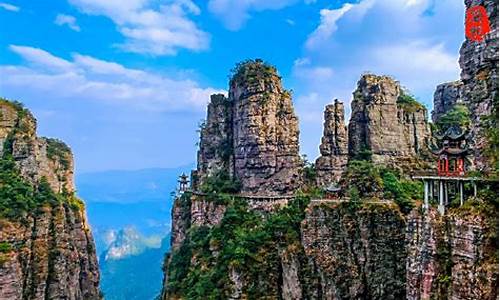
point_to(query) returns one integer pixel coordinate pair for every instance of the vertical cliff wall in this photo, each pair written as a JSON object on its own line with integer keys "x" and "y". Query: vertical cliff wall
{"x": 46, "y": 247}
{"x": 386, "y": 122}
{"x": 265, "y": 131}
{"x": 253, "y": 134}
{"x": 333, "y": 147}
{"x": 452, "y": 256}
{"x": 215, "y": 152}
{"x": 478, "y": 84}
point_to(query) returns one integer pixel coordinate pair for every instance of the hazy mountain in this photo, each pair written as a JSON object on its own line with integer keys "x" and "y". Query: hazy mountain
{"x": 129, "y": 212}
{"x": 129, "y": 242}
{"x": 128, "y": 278}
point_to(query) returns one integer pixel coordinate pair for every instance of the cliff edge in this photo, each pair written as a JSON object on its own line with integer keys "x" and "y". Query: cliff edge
{"x": 46, "y": 246}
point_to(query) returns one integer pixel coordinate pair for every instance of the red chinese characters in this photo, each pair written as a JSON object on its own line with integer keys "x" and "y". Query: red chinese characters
{"x": 477, "y": 24}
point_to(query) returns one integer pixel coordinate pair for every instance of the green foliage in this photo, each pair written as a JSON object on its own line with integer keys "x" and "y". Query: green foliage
{"x": 18, "y": 198}
{"x": 485, "y": 205}
{"x": 490, "y": 126}
{"x": 364, "y": 154}
{"x": 364, "y": 180}
{"x": 5, "y": 247}
{"x": 404, "y": 192}
{"x": 252, "y": 70}
{"x": 18, "y": 106}
{"x": 364, "y": 176}
{"x": 308, "y": 176}
{"x": 408, "y": 102}
{"x": 244, "y": 241}
{"x": 459, "y": 115}
{"x": 57, "y": 149}
{"x": 445, "y": 266}
{"x": 221, "y": 182}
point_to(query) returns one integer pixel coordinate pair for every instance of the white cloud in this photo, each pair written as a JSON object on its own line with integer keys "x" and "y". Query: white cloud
{"x": 70, "y": 21}
{"x": 41, "y": 58}
{"x": 234, "y": 13}
{"x": 328, "y": 24}
{"x": 416, "y": 63}
{"x": 314, "y": 74}
{"x": 156, "y": 30}
{"x": 9, "y": 7}
{"x": 92, "y": 79}
{"x": 417, "y": 56}
{"x": 393, "y": 37}
{"x": 302, "y": 61}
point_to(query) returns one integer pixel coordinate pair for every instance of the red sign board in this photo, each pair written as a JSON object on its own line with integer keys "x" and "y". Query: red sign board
{"x": 477, "y": 24}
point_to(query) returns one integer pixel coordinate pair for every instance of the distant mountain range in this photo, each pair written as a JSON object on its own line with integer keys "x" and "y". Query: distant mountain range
{"x": 129, "y": 212}
{"x": 129, "y": 186}
{"x": 129, "y": 279}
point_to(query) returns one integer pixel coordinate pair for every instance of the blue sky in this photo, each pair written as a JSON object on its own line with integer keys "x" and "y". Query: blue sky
{"x": 125, "y": 83}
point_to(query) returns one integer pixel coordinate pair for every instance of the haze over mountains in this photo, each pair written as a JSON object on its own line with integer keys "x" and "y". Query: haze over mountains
{"x": 129, "y": 212}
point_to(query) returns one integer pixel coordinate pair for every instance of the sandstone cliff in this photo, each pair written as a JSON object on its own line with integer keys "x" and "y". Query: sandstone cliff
{"x": 318, "y": 251}
{"x": 478, "y": 84}
{"x": 46, "y": 247}
{"x": 333, "y": 147}
{"x": 216, "y": 140}
{"x": 386, "y": 122}
{"x": 452, "y": 256}
{"x": 253, "y": 135}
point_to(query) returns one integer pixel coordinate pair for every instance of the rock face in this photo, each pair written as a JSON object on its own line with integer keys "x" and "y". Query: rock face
{"x": 381, "y": 123}
{"x": 253, "y": 135}
{"x": 35, "y": 157}
{"x": 478, "y": 85}
{"x": 265, "y": 132}
{"x": 54, "y": 257}
{"x": 333, "y": 147}
{"x": 449, "y": 258}
{"x": 445, "y": 97}
{"x": 339, "y": 254}
{"x": 351, "y": 252}
{"x": 216, "y": 140}
{"x": 47, "y": 253}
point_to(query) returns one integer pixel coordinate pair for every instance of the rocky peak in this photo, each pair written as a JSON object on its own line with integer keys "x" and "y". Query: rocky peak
{"x": 445, "y": 97}
{"x": 333, "y": 147}
{"x": 253, "y": 134}
{"x": 386, "y": 121}
{"x": 265, "y": 131}
{"x": 36, "y": 158}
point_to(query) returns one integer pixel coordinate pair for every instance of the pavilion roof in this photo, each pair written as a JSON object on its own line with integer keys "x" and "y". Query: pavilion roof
{"x": 452, "y": 151}
{"x": 452, "y": 133}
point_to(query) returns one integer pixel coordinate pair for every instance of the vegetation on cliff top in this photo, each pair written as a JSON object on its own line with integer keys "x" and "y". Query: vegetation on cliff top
{"x": 251, "y": 70}
{"x": 253, "y": 248}
{"x": 18, "y": 106}
{"x": 364, "y": 181}
{"x": 408, "y": 102}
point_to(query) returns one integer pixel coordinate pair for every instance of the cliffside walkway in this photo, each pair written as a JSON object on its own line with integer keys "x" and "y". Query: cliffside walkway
{"x": 440, "y": 187}
{"x": 251, "y": 197}
{"x": 325, "y": 200}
